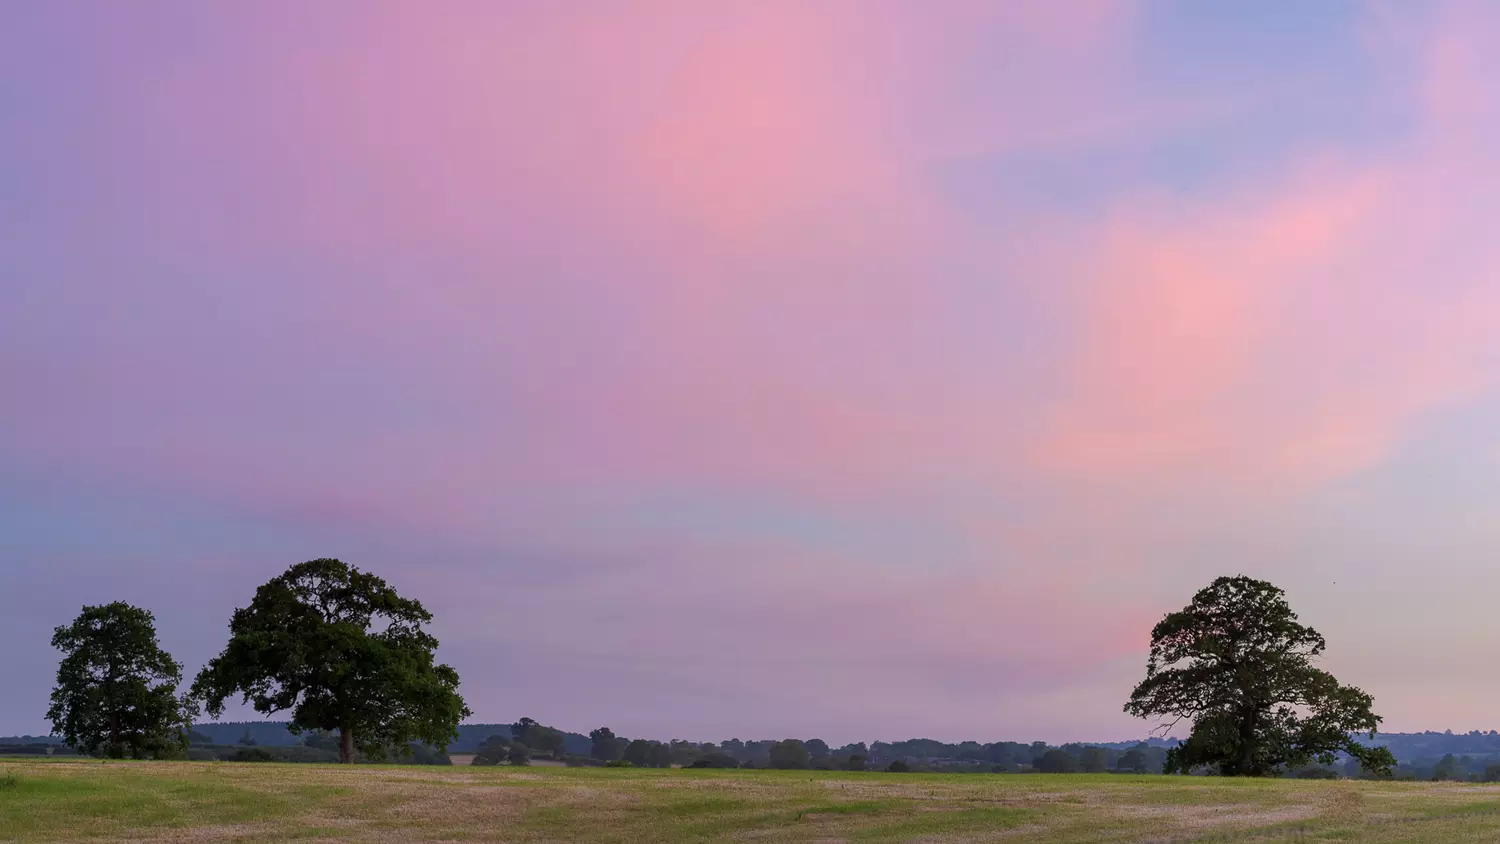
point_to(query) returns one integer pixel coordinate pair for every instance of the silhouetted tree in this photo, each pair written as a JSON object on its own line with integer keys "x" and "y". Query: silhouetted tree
{"x": 1057, "y": 761}
{"x": 817, "y": 749}
{"x": 788, "y": 754}
{"x": 1447, "y": 768}
{"x": 1093, "y": 760}
{"x": 606, "y": 746}
{"x": 116, "y": 692}
{"x": 341, "y": 650}
{"x": 1237, "y": 663}
{"x": 898, "y": 767}
{"x": 855, "y": 763}
{"x": 638, "y": 753}
{"x": 538, "y": 737}
{"x": 1132, "y": 760}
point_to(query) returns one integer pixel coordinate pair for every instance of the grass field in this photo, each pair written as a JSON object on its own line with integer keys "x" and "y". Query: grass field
{"x": 169, "y": 801}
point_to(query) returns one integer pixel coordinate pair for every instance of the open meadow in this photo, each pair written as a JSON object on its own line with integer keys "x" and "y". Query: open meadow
{"x": 182, "y": 801}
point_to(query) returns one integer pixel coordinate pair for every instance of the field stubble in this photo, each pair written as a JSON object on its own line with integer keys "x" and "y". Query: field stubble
{"x": 167, "y": 801}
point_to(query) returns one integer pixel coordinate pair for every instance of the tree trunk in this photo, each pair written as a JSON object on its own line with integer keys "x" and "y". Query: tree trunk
{"x": 346, "y": 745}
{"x": 1247, "y": 763}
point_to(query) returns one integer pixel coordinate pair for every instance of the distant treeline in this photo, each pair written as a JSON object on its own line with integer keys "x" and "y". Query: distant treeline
{"x": 1430, "y": 755}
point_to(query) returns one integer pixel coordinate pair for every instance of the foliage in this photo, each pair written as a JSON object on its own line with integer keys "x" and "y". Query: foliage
{"x": 1238, "y": 663}
{"x": 605, "y": 745}
{"x": 789, "y": 754}
{"x": 253, "y": 754}
{"x": 341, "y": 650}
{"x": 116, "y": 691}
{"x": 495, "y": 751}
{"x": 898, "y": 767}
{"x": 538, "y": 737}
{"x": 1057, "y": 761}
{"x": 1093, "y": 760}
{"x": 855, "y": 763}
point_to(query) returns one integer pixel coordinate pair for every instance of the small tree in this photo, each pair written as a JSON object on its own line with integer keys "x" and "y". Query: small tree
{"x": 495, "y": 750}
{"x": 855, "y": 763}
{"x": 116, "y": 691}
{"x": 1239, "y": 665}
{"x": 898, "y": 767}
{"x": 342, "y": 651}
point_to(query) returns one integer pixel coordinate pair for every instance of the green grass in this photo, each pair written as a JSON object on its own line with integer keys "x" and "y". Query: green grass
{"x": 47, "y": 801}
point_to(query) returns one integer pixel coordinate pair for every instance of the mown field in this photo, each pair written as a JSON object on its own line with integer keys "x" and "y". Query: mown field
{"x": 170, "y": 801}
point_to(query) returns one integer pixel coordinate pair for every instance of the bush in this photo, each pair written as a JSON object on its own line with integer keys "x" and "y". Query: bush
{"x": 253, "y": 754}
{"x": 619, "y": 763}
{"x": 9, "y": 781}
{"x": 898, "y": 767}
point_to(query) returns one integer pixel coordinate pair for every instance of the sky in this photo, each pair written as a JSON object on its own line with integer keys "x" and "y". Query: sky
{"x": 859, "y": 369}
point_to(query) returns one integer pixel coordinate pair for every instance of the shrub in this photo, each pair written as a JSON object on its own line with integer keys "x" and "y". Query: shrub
{"x": 898, "y": 767}
{"x": 619, "y": 763}
{"x": 9, "y": 781}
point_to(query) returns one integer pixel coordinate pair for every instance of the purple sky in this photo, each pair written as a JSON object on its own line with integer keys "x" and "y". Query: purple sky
{"x": 787, "y": 368}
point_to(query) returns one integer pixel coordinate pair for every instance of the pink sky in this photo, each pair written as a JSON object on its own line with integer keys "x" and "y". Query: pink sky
{"x": 788, "y": 368}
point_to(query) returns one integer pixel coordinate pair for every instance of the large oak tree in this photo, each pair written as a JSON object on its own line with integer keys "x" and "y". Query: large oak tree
{"x": 116, "y": 691}
{"x": 1238, "y": 664}
{"x": 342, "y": 651}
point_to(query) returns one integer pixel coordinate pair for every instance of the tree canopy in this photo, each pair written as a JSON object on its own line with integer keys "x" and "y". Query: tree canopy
{"x": 606, "y": 746}
{"x": 1238, "y": 664}
{"x": 788, "y": 754}
{"x": 116, "y": 691}
{"x": 342, "y": 651}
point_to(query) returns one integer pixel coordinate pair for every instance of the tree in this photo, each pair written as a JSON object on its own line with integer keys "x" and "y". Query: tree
{"x": 116, "y": 691}
{"x": 1446, "y": 768}
{"x": 855, "y": 763}
{"x": 638, "y": 753}
{"x": 248, "y": 740}
{"x": 898, "y": 767}
{"x": 1238, "y": 664}
{"x": 1093, "y": 760}
{"x": 495, "y": 750}
{"x": 816, "y": 749}
{"x": 538, "y": 737}
{"x": 1133, "y": 759}
{"x": 1057, "y": 761}
{"x": 606, "y": 745}
{"x": 788, "y": 753}
{"x": 342, "y": 651}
